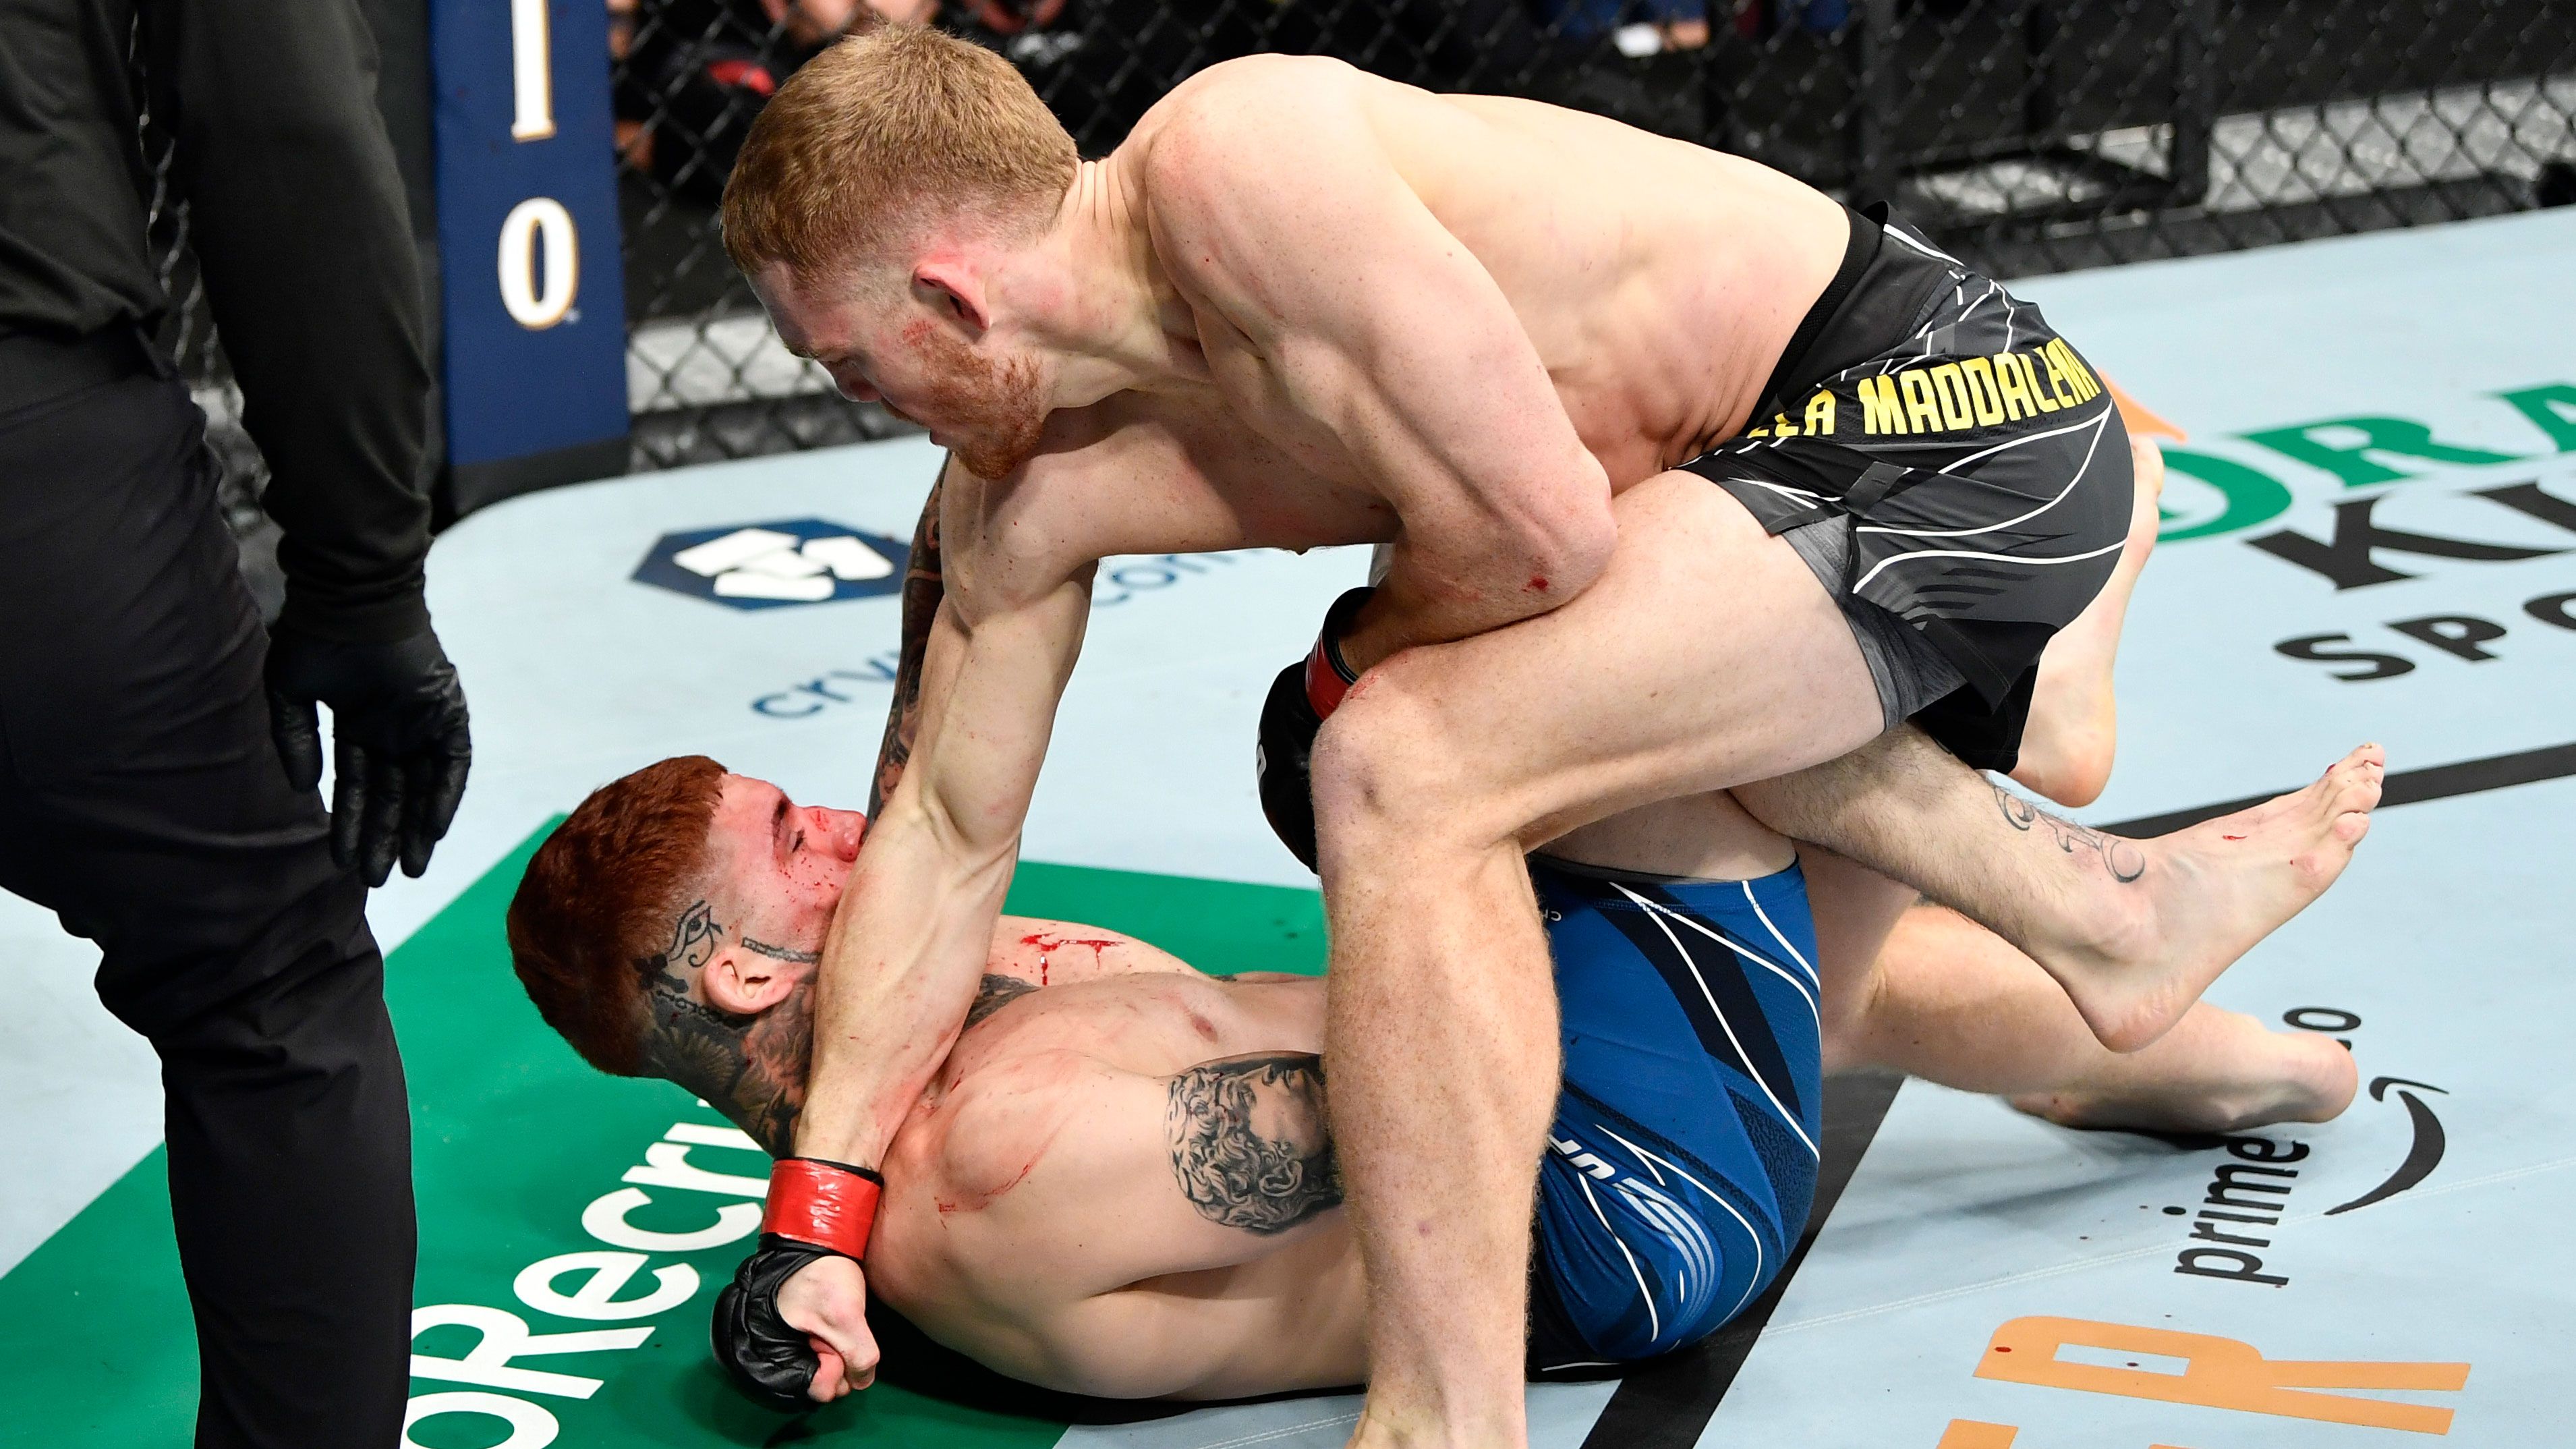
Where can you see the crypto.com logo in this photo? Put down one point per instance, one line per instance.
(775, 565)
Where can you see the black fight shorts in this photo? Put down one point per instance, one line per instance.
(1952, 470)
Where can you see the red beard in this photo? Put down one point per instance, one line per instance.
(990, 408)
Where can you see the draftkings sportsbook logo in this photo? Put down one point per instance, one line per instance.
(775, 565)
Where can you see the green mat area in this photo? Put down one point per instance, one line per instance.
(517, 1141)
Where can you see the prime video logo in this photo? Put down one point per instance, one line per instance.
(775, 565)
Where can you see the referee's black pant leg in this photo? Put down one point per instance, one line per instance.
(141, 800)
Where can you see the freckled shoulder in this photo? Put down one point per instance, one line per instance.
(1217, 138)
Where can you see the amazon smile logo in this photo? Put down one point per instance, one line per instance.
(2238, 1220)
(2424, 1150)
(2423, 1154)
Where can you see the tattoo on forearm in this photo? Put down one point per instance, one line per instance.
(996, 993)
(2121, 858)
(922, 591)
(759, 947)
(751, 1068)
(1252, 1146)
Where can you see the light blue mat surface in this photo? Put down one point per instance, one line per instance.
(2448, 939)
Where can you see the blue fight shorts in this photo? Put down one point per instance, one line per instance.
(1683, 1157)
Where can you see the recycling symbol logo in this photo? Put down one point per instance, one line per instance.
(777, 565)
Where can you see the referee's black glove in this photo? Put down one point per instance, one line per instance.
(400, 745)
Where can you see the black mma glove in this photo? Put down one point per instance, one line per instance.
(768, 1358)
(400, 743)
(816, 1209)
(1300, 700)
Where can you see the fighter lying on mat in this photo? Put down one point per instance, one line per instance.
(1120, 1181)
(1693, 479)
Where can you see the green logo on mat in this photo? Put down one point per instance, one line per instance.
(2230, 495)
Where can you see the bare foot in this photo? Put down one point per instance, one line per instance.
(2074, 718)
(2205, 895)
(2216, 1071)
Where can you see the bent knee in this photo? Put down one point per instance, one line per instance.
(1392, 764)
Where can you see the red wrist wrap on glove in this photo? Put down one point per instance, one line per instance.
(1328, 678)
(829, 1204)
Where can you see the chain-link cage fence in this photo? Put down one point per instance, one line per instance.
(2030, 135)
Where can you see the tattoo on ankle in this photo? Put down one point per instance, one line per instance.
(2121, 858)
(781, 953)
(1251, 1145)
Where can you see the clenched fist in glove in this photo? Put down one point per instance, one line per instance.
(789, 1338)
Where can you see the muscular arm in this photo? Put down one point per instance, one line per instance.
(922, 591)
(1360, 334)
(909, 945)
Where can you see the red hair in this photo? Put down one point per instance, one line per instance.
(598, 897)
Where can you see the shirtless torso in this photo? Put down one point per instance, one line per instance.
(1506, 312)
(1653, 285)
(1035, 1218)
(1303, 306)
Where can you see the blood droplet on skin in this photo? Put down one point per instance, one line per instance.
(2231, 837)
(1538, 583)
(1046, 943)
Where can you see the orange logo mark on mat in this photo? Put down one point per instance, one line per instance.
(2219, 1373)
(1977, 1434)
(2138, 418)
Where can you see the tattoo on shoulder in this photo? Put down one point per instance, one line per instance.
(995, 993)
(1251, 1144)
(2121, 858)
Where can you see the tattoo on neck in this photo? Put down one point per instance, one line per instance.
(1251, 1144)
(749, 1067)
(2121, 858)
(995, 993)
(759, 947)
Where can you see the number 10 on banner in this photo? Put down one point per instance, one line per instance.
(535, 337)
(539, 226)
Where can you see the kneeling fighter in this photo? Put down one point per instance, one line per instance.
(1692, 476)
(1120, 1179)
